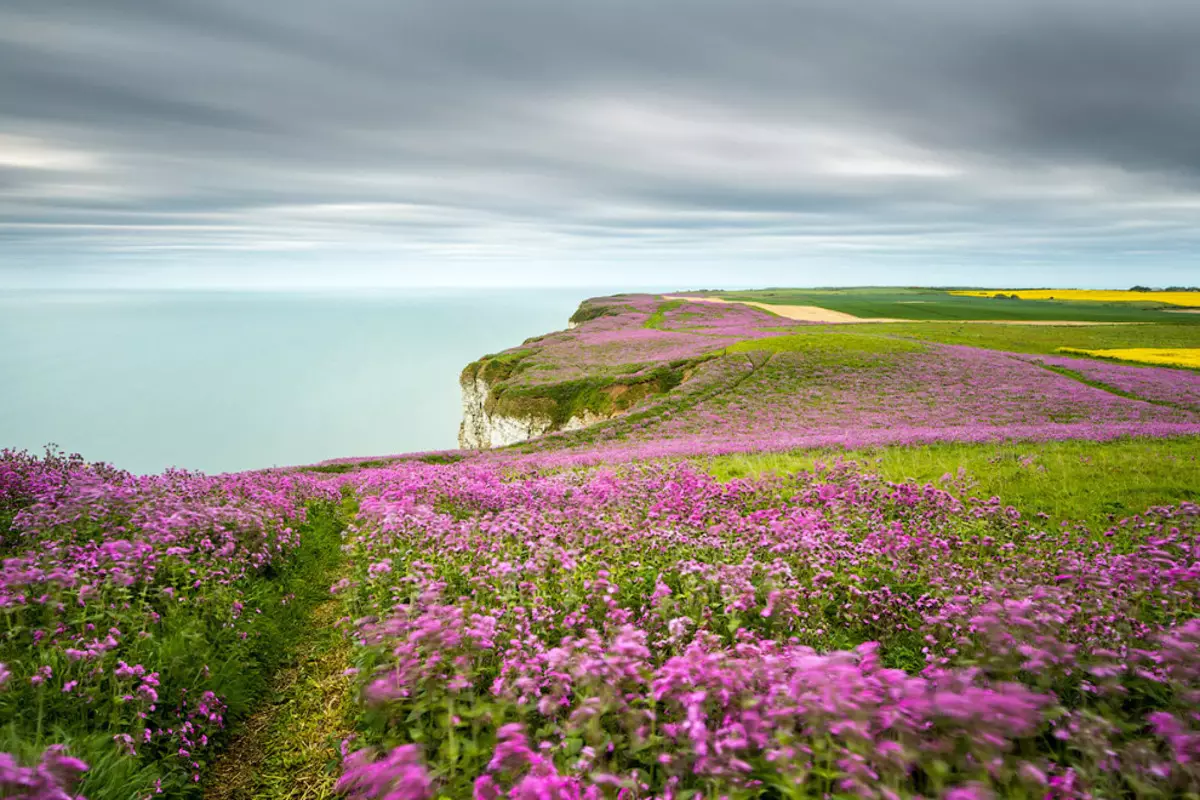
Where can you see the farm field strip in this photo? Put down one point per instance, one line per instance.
(797, 313)
(823, 315)
(1169, 357)
(935, 304)
(1187, 299)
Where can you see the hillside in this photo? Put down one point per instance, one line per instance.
(691, 548)
(644, 375)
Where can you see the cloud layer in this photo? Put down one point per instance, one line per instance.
(677, 143)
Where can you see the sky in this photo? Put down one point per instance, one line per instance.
(687, 143)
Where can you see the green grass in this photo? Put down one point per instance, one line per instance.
(1047, 339)
(825, 340)
(496, 367)
(659, 317)
(187, 647)
(289, 747)
(1077, 481)
(559, 402)
(589, 311)
(441, 458)
(348, 466)
(937, 304)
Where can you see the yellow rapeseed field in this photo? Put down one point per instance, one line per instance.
(1190, 299)
(1170, 356)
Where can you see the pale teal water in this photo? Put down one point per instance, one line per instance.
(231, 381)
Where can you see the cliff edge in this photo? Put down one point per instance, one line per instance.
(616, 353)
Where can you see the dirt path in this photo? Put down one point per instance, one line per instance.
(798, 313)
(289, 748)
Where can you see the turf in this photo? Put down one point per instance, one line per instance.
(288, 746)
(658, 319)
(1048, 339)
(937, 304)
(1070, 481)
(824, 340)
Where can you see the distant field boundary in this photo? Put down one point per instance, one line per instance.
(831, 317)
(1186, 299)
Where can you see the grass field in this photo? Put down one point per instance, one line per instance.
(824, 340)
(1048, 339)
(937, 304)
(659, 317)
(1077, 481)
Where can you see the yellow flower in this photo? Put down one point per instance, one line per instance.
(1188, 299)
(1170, 356)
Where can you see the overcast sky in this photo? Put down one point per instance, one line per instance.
(620, 142)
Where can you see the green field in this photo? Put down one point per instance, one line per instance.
(937, 304)
(1096, 483)
(840, 340)
(1048, 338)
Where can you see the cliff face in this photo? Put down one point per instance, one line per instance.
(483, 427)
(572, 379)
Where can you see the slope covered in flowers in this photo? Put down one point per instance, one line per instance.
(1176, 387)
(592, 615)
(624, 335)
(788, 386)
(139, 612)
(651, 632)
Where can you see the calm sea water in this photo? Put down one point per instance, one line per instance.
(230, 381)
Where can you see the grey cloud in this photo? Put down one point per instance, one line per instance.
(440, 132)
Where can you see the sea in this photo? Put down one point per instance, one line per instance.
(229, 381)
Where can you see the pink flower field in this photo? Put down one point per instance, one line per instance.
(594, 614)
(625, 337)
(650, 632)
(783, 385)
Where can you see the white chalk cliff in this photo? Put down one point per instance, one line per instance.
(480, 430)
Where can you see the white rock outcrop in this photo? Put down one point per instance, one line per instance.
(480, 430)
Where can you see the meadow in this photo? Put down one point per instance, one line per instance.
(795, 561)
(1049, 339)
(753, 384)
(1072, 481)
(944, 305)
(142, 614)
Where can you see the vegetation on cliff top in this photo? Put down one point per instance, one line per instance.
(585, 397)
(627, 349)
(818, 380)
